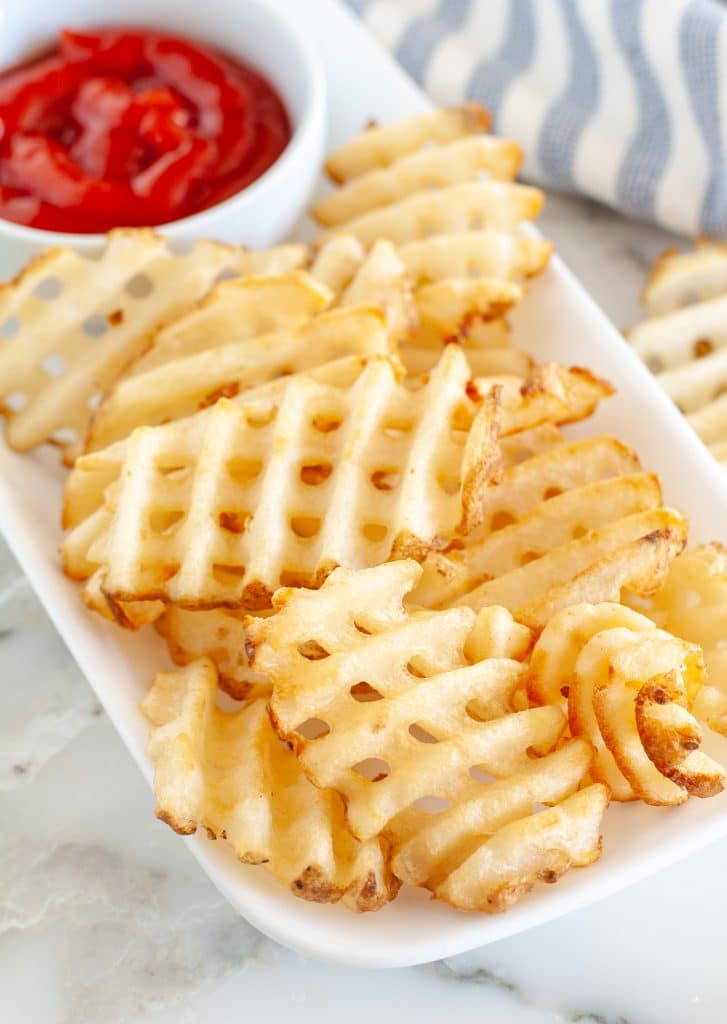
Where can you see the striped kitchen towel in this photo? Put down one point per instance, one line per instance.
(623, 100)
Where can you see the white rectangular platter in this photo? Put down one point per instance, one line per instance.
(558, 321)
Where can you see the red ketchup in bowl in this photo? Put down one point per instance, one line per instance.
(124, 127)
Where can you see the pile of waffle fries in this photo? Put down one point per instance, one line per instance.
(422, 637)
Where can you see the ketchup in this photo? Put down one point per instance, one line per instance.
(123, 127)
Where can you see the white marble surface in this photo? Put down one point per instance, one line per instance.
(105, 917)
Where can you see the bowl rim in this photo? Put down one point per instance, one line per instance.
(313, 110)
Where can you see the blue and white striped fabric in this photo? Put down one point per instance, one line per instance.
(623, 100)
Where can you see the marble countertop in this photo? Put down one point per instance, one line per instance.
(105, 917)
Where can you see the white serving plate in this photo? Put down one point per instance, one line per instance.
(558, 321)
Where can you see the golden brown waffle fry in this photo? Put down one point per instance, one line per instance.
(464, 282)
(542, 502)
(448, 308)
(474, 205)
(671, 737)
(549, 394)
(180, 388)
(553, 659)
(438, 312)
(686, 350)
(692, 604)
(552, 525)
(322, 645)
(684, 278)
(539, 848)
(235, 311)
(412, 731)
(684, 343)
(94, 471)
(487, 851)
(569, 523)
(267, 492)
(382, 145)
(633, 552)
(486, 253)
(545, 475)
(485, 342)
(70, 325)
(462, 160)
(677, 339)
(228, 773)
(617, 673)
(218, 635)
(628, 687)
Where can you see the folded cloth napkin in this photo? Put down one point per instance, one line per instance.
(623, 100)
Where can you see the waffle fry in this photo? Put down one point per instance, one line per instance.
(229, 774)
(180, 388)
(554, 656)
(414, 661)
(463, 254)
(357, 621)
(237, 310)
(450, 164)
(549, 394)
(629, 689)
(199, 524)
(218, 635)
(410, 733)
(516, 847)
(684, 343)
(552, 525)
(448, 308)
(478, 204)
(692, 605)
(382, 145)
(463, 284)
(619, 677)
(670, 341)
(684, 278)
(52, 365)
(543, 491)
(634, 553)
(439, 312)
(94, 471)
(575, 522)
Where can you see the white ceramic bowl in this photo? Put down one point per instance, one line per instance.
(266, 210)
